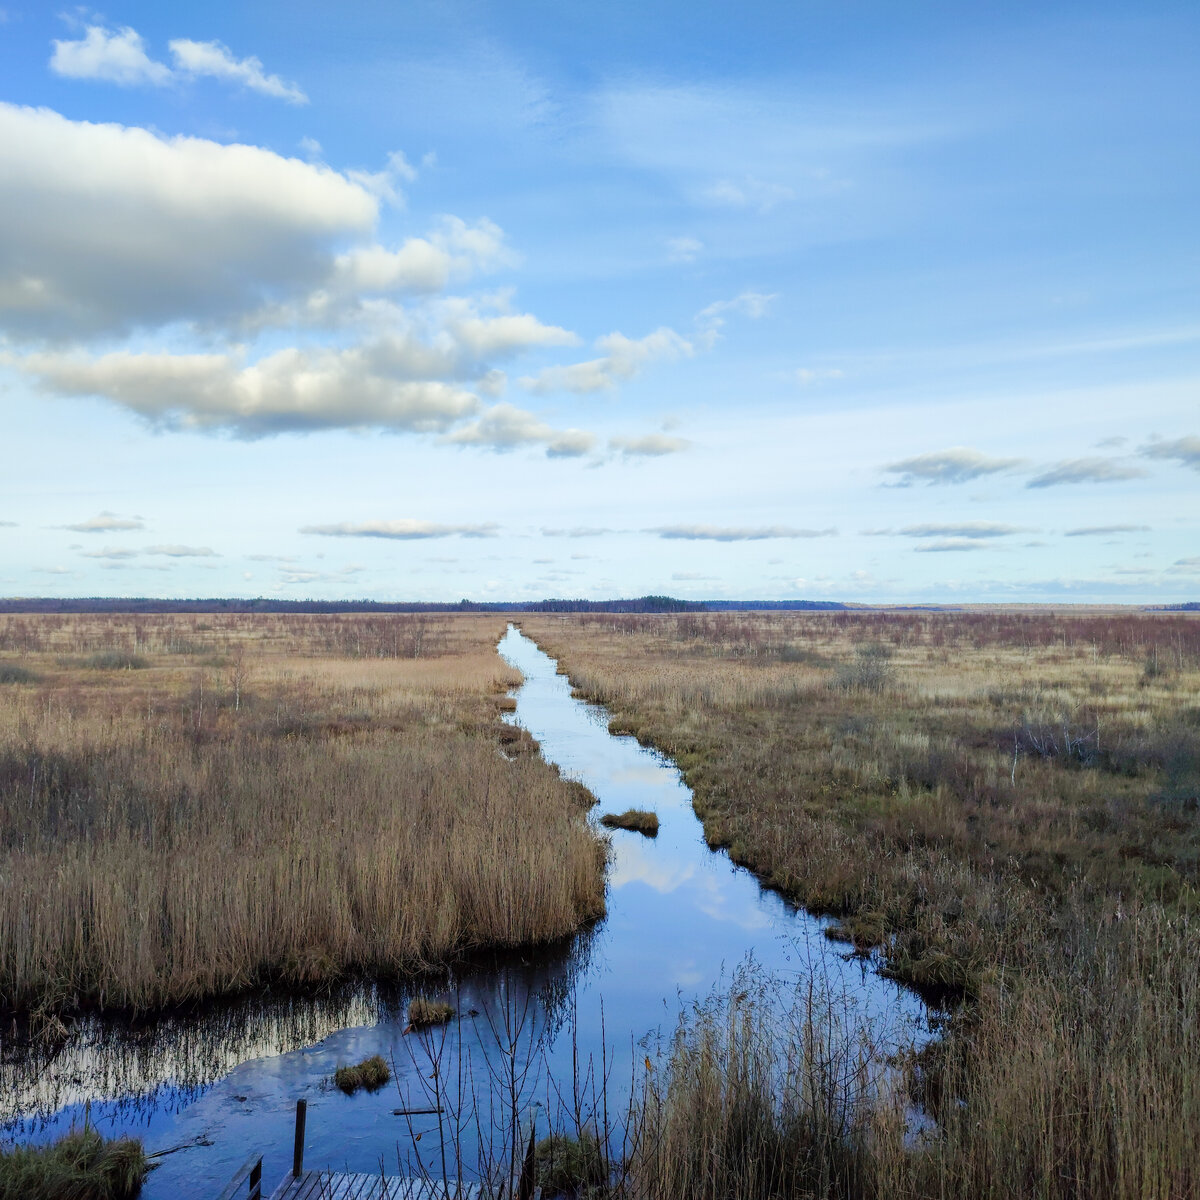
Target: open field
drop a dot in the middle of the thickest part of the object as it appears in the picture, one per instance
(1008, 805)
(195, 805)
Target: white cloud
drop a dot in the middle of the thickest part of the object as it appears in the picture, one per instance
(711, 319)
(958, 464)
(108, 228)
(176, 551)
(119, 56)
(717, 533)
(623, 358)
(748, 192)
(216, 60)
(404, 530)
(290, 390)
(106, 522)
(652, 445)
(1184, 450)
(684, 249)
(1085, 470)
(111, 552)
(505, 427)
(965, 529)
(577, 531)
(950, 545)
(1103, 530)
(806, 376)
(112, 56)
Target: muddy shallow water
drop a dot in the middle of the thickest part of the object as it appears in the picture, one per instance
(680, 919)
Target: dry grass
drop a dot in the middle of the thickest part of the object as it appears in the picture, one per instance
(1007, 804)
(81, 1165)
(423, 1012)
(635, 819)
(370, 1074)
(271, 799)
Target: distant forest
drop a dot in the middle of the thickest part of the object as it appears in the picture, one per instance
(643, 604)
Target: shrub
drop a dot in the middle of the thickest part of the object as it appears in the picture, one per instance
(372, 1073)
(871, 670)
(11, 673)
(116, 660)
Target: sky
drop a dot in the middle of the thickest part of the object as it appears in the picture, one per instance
(843, 300)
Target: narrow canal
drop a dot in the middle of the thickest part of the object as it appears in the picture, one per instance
(681, 920)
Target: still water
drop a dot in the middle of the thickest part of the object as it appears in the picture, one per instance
(681, 920)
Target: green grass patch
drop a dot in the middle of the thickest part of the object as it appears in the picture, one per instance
(11, 673)
(82, 1165)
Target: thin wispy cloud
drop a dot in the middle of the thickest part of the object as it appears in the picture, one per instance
(950, 545)
(404, 530)
(578, 531)
(1185, 451)
(963, 529)
(751, 533)
(1086, 470)
(958, 464)
(506, 427)
(1103, 530)
(177, 551)
(651, 445)
(623, 358)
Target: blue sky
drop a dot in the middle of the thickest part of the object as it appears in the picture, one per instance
(863, 301)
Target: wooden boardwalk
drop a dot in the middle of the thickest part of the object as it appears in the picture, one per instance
(336, 1185)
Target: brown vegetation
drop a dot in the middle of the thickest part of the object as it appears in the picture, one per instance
(636, 820)
(423, 1012)
(267, 799)
(370, 1074)
(1007, 805)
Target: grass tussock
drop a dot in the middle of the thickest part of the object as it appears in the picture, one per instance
(369, 1075)
(325, 802)
(1009, 815)
(423, 1012)
(571, 1167)
(12, 673)
(637, 820)
(82, 1165)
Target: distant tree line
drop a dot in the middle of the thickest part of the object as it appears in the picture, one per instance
(642, 604)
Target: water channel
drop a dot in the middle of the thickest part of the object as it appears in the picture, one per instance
(681, 920)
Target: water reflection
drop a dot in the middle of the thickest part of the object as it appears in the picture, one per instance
(532, 1029)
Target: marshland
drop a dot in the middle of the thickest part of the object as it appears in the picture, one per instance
(967, 849)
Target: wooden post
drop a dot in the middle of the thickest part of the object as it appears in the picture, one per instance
(298, 1156)
(528, 1180)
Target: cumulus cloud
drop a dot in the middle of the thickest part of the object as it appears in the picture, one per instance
(623, 358)
(652, 445)
(106, 522)
(718, 533)
(505, 427)
(114, 56)
(1101, 530)
(958, 464)
(216, 60)
(290, 390)
(1184, 450)
(1086, 470)
(405, 530)
(109, 228)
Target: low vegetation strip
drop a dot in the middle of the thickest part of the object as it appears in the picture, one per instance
(267, 799)
(1007, 805)
(635, 819)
